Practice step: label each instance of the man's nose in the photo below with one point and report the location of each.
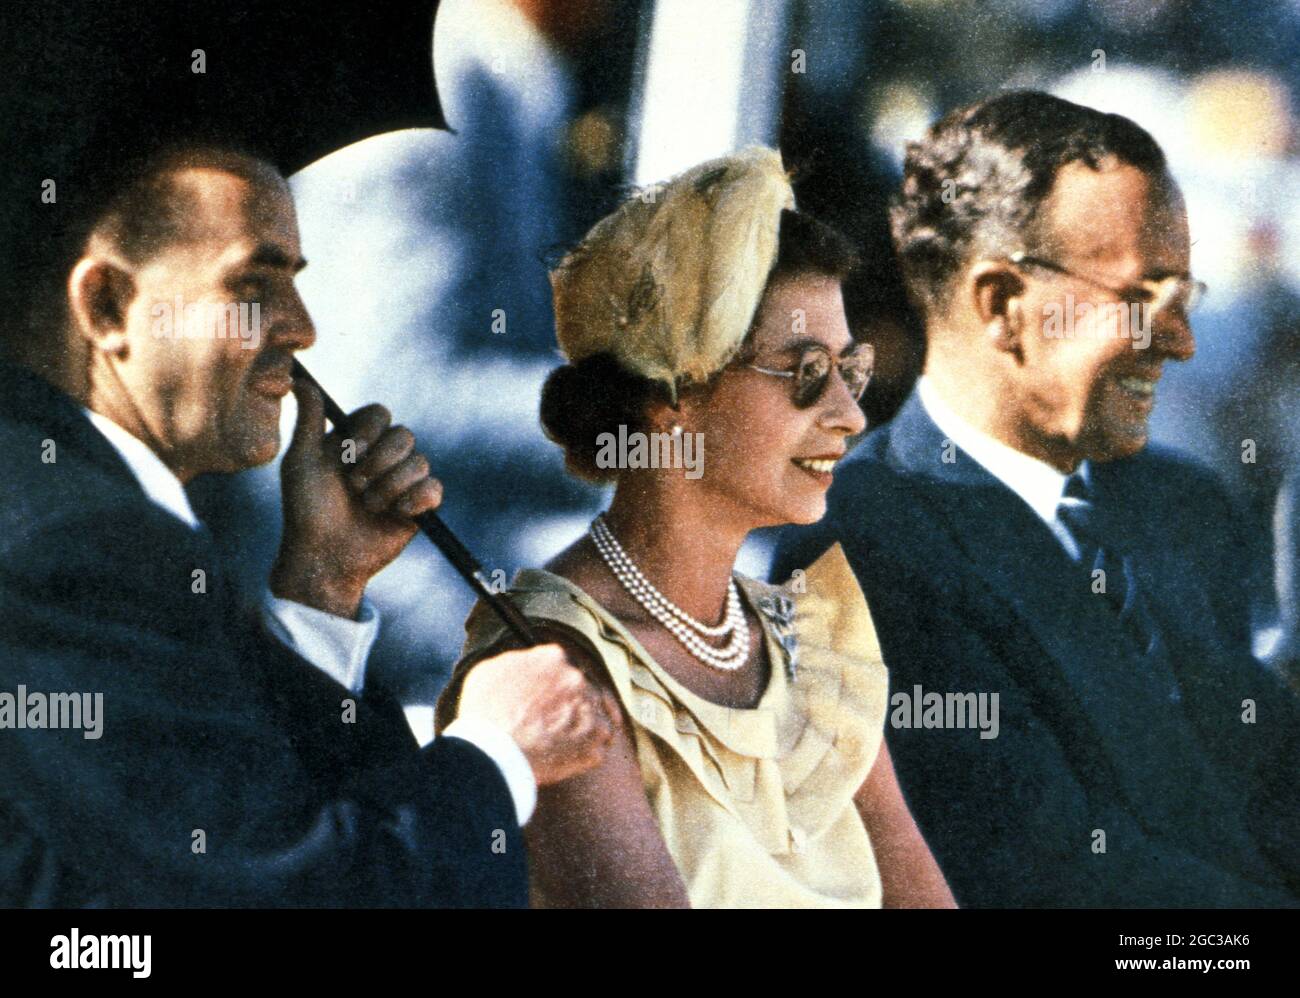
(1172, 334)
(292, 327)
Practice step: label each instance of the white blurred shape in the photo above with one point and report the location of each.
(755, 557)
(493, 36)
(900, 113)
(548, 536)
(690, 105)
(419, 717)
(1151, 97)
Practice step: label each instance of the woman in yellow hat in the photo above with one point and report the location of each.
(711, 376)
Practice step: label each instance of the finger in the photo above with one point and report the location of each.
(572, 680)
(602, 731)
(384, 454)
(310, 425)
(421, 498)
(581, 716)
(505, 660)
(384, 490)
(596, 753)
(613, 709)
(538, 660)
(364, 426)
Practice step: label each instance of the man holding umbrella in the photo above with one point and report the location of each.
(236, 757)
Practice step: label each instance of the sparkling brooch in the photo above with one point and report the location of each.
(780, 611)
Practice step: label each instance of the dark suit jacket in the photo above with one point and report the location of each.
(208, 723)
(971, 592)
(1286, 552)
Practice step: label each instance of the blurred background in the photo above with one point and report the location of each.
(429, 251)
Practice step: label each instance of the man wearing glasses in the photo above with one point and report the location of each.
(1015, 535)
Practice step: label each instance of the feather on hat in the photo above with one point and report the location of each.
(669, 283)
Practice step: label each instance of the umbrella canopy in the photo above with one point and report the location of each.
(290, 79)
(90, 86)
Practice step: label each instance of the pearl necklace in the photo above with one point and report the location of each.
(690, 632)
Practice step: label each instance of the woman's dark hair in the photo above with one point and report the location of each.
(807, 245)
(596, 395)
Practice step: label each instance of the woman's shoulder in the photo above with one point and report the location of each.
(561, 612)
(546, 598)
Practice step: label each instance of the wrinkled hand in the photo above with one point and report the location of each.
(562, 723)
(344, 521)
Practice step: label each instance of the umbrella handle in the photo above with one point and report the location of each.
(445, 541)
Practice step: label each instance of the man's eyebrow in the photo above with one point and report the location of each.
(799, 346)
(1160, 273)
(270, 255)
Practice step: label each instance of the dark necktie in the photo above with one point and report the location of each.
(1101, 550)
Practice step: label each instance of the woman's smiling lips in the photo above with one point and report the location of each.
(821, 467)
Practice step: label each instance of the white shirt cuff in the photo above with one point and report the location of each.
(340, 647)
(337, 646)
(509, 758)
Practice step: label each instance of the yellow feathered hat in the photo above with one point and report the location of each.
(669, 282)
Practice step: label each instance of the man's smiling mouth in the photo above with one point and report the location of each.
(1138, 386)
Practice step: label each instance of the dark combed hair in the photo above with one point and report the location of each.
(596, 395)
(134, 201)
(976, 181)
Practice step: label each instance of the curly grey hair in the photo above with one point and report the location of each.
(974, 184)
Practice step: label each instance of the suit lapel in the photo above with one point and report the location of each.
(1102, 688)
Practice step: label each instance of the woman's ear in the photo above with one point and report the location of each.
(100, 292)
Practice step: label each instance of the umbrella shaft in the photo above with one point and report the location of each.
(444, 540)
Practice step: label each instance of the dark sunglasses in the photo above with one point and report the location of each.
(813, 373)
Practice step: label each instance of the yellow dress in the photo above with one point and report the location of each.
(754, 805)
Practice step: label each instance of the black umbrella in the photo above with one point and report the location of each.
(292, 80)
(90, 86)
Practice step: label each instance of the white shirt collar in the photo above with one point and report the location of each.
(1036, 482)
(156, 479)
